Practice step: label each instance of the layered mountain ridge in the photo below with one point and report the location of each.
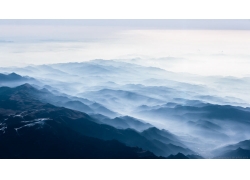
(23, 113)
(160, 112)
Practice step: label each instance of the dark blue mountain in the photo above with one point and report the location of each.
(46, 96)
(11, 77)
(206, 111)
(177, 156)
(21, 110)
(235, 154)
(182, 156)
(166, 140)
(79, 106)
(222, 150)
(14, 79)
(162, 136)
(41, 138)
(98, 108)
(32, 129)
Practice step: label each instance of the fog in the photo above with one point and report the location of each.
(201, 52)
(192, 82)
(203, 116)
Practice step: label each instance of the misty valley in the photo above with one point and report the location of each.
(112, 109)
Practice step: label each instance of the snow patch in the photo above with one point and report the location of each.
(40, 121)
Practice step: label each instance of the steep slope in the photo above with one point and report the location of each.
(100, 109)
(123, 122)
(222, 150)
(32, 129)
(46, 138)
(161, 135)
(165, 140)
(79, 106)
(74, 103)
(19, 103)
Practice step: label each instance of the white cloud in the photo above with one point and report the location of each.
(204, 52)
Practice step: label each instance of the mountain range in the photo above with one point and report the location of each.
(115, 109)
(25, 120)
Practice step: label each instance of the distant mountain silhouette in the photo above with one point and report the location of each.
(79, 106)
(193, 156)
(208, 129)
(205, 120)
(11, 77)
(98, 108)
(235, 154)
(123, 122)
(116, 99)
(182, 156)
(205, 111)
(229, 148)
(162, 135)
(177, 156)
(206, 125)
(14, 79)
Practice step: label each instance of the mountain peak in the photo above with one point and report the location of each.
(26, 86)
(10, 77)
(14, 74)
(240, 149)
(177, 156)
(153, 129)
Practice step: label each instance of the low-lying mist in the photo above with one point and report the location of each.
(204, 112)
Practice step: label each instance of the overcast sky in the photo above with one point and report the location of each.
(142, 24)
(82, 30)
(206, 47)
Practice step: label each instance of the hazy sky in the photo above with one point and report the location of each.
(206, 47)
(225, 24)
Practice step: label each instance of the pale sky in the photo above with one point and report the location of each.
(205, 47)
